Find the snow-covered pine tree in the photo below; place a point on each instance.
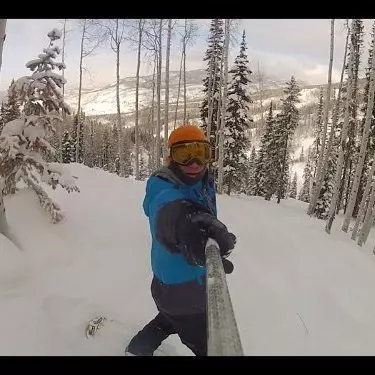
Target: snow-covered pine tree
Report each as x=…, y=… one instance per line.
x=264, y=177
x=115, y=156
x=106, y=150
x=23, y=142
x=10, y=110
x=293, y=187
x=316, y=146
x=288, y=121
x=237, y=122
x=210, y=107
x=304, y=194
x=251, y=173
x=326, y=192
x=128, y=155
x=80, y=137
x=66, y=148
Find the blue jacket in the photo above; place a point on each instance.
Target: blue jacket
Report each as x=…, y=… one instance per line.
x=162, y=188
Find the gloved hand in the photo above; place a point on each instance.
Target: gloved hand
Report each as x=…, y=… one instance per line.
x=216, y=230
x=227, y=265
x=197, y=228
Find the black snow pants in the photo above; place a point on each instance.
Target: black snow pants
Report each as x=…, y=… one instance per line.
x=190, y=328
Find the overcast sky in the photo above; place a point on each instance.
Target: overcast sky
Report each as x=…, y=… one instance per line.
x=282, y=47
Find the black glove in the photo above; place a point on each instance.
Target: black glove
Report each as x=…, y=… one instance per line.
x=184, y=227
x=227, y=265
x=199, y=228
x=216, y=230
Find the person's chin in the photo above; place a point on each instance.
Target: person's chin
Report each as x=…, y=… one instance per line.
x=192, y=175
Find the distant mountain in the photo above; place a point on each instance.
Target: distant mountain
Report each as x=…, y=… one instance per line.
x=102, y=101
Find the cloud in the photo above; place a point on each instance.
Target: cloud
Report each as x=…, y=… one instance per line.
x=283, y=47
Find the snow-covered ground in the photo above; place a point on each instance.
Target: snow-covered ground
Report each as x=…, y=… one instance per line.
x=295, y=289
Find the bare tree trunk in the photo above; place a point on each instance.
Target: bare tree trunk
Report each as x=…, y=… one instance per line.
x=362, y=206
x=153, y=145
x=3, y=23
x=120, y=141
x=218, y=114
x=362, y=154
x=184, y=69
x=260, y=88
x=178, y=93
x=166, y=117
x=344, y=134
x=60, y=129
x=320, y=175
x=211, y=86
x=3, y=220
x=140, y=29
x=344, y=182
x=223, y=110
x=80, y=92
x=369, y=220
x=336, y=201
x=158, y=93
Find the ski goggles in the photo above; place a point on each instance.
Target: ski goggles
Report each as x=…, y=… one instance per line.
x=185, y=152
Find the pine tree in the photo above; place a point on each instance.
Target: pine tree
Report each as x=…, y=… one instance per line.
x=286, y=126
x=106, y=150
x=293, y=187
x=289, y=119
x=89, y=149
x=10, y=109
x=326, y=193
x=252, y=182
x=318, y=132
x=66, y=148
x=304, y=194
x=81, y=137
x=23, y=142
x=265, y=169
x=115, y=157
x=129, y=157
x=237, y=123
x=213, y=56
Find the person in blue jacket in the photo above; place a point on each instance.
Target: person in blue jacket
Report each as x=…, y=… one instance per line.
x=180, y=203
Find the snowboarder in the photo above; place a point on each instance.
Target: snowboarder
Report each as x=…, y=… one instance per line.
x=180, y=203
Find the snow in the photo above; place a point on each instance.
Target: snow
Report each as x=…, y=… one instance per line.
x=295, y=290
x=13, y=127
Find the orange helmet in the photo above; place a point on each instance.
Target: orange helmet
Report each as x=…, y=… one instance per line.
x=186, y=133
